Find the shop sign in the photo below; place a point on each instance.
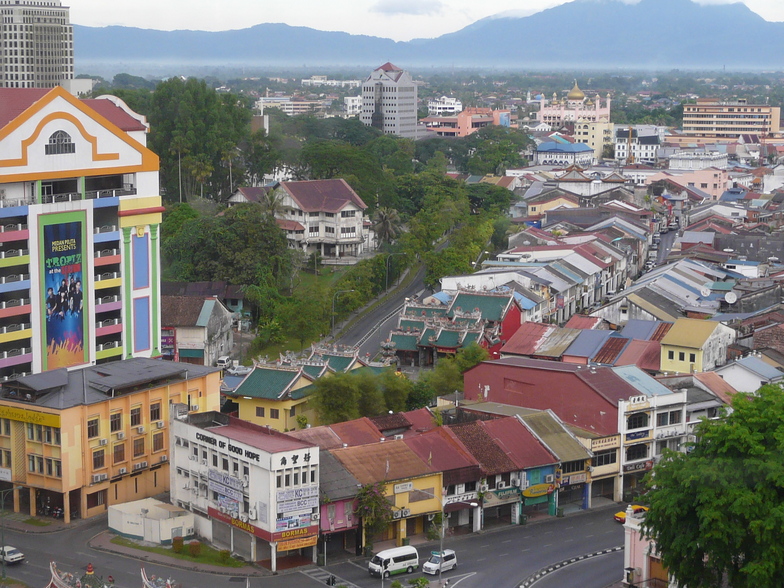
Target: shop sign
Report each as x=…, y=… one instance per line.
x=258, y=531
x=538, y=490
x=5, y=474
x=574, y=479
x=637, y=435
x=224, y=491
x=297, y=543
x=498, y=497
x=297, y=493
x=301, y=504
x=467, y=497
x=638, y=467
x=293, y=522
x=225, y=479
x=605, y=443
x=404, y=487
x=30, y=416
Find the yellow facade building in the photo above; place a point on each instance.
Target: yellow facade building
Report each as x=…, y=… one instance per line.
x=695, y=345
x=85, y=439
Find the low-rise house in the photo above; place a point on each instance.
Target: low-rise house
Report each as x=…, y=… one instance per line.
x=339, y=521
x=749, y=374
x=196, y=330
x=694, y=345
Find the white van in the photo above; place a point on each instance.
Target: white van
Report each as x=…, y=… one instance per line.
x=394, y=561
x=224, y=361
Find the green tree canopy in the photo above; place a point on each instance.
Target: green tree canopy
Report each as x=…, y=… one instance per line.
x=717, y=512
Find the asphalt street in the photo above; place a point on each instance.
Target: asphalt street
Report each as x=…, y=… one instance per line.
x=667, y=239
x=501, y=558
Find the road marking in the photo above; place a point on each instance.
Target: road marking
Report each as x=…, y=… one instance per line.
x=363, y=568
x=502, y=554
x=463, y=578
x=527, y=549
x=486, y=545
x=507, y=541
x=482, y=559
x=588, y=536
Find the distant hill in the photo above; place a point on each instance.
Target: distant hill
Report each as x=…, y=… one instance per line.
x=652, y=34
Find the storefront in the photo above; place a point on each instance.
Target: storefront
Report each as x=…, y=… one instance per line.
x=574, y=491
x=633, y=476
x=501, y=505
x=540, y=498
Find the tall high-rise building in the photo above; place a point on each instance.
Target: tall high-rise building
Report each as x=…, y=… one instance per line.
x=37, y=39
x=728, y=120
x=389, y=101
x=80, y=211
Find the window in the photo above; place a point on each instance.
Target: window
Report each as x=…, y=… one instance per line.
x=155, y=411
x=138, y=447
x=572, y=466
x=115, y=422
x=313, y=230
x=34, y=432
x=99, y=459
x=260, y=411
x=692, y=357
x=637, y=420
x=274, y=413
x=5, y=427
x=96, y=499
x=293, y=411
x=136, y=416
x=225, y=464
x=278, y=481
x=681, y=356
x=157, y=442
x=59, y=143
x=119, y=453
x=347, y=213
x=639, y=451
x=607, y=457
x=670, y=355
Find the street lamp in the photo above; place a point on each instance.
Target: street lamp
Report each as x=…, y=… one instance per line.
x=3, y=494
x=334, y=298
x=443, y=532
x=386, y=274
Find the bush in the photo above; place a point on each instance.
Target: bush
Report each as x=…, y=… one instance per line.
x=224, y=555
x=194, y=548
x=177, y=544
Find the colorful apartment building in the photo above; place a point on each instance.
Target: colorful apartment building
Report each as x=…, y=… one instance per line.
x=80, y=213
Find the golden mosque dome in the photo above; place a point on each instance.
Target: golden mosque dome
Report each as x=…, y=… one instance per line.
x=576, y=93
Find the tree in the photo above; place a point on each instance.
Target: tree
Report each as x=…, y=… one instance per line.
x=395, y=388
x=374, y=509
x=469, y=356
x=716, y=512
x=386, y=224
x=335, y=399
x=420, y=396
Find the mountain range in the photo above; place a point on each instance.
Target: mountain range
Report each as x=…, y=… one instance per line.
x=594, y=34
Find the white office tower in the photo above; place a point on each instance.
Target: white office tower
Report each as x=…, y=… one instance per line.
x=389, y=101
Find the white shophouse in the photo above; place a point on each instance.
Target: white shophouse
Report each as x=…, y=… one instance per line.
x=253, y=490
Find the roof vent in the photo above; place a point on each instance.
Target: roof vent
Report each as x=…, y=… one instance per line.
x=382, y=439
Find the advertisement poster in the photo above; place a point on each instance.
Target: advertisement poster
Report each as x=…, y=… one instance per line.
x=62, y=265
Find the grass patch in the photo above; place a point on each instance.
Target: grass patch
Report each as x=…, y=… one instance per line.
x=13, y=583
x=208, y=554
x=37, y=522
x=328, y=275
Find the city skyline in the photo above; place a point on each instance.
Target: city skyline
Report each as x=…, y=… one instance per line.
x=401, y=20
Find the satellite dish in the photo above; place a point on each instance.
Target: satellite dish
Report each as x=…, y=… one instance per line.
x=731, y=297
x=705, y=291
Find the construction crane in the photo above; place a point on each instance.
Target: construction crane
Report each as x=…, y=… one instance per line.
x=630, y=155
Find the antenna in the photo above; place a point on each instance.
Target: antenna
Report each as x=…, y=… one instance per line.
x=705, y=291
x=731, y=298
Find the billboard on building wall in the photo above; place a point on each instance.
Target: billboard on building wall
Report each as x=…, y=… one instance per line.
x=62, y=245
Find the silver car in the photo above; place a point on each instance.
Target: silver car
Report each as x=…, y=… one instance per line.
x=447, y=562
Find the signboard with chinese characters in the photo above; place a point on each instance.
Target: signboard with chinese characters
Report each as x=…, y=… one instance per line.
x=466, y=497
x=297, y=493
x=605, y=443
x=296, y=459
x=574, y=479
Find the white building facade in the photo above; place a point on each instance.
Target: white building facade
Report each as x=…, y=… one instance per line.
x=389, y=101
x=444, y=106
x=37, y=44
x=252, y=490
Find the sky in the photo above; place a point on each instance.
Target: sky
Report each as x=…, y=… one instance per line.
x=401, y=20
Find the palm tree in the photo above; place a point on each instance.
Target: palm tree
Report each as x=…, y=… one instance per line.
x=202, y=169
x=272, y=203
x=386, y=224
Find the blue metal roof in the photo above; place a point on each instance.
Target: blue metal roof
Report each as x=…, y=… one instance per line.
x=637, y=378
x=553, y=147
x=588, y=343
x=760, y=368
x=524, y=303
x=639, y=329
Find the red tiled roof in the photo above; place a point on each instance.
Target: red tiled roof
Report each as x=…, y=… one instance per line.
x=518, y=442
x=610, y=350
x=387, y=422
x=254, y=193
x=388, y=67
x=421, y=420
x=646, y=355
x=323, y=195
x=391, y=460
x=357, y=432
x=718, y=385
x=114, y=114
x=527, y=338
x=289, y=225
x=441, y=450
x=478, y=441
x=661, y=331
x=579, y=321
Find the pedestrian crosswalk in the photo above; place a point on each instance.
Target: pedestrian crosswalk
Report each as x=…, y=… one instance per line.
x=326, y=578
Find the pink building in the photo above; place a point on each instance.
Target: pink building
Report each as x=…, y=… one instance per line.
x=467, y=122
x=576, y=107
x=712, y=180
x=641, y=564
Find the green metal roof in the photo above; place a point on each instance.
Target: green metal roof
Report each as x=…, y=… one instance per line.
x=425, y=311
x=265, y=382
x=338, y=363
x=491, y=307
x=302, y=392
x=314, y=371
x=448, y=339
x=405, y=342
x=371, y=369
x=412, y=324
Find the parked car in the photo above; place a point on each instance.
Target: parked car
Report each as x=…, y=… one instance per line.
x=11, y=554
x=449, y=560
x=224, y=361
x=636, y=509
x=239, y=370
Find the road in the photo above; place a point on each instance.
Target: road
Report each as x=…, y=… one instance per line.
x=665, y=246
x=501, y=558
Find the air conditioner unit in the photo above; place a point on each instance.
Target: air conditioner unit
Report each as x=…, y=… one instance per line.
x=483, y=487
x=192, y=457
x=501, y=485
x=137, y=466
x=398, y=437
x=549, y=479
x=164, y=457
x=123, y=471
x=204, y=462
x=315, y=516
x=406, y=512
x=252, y=514
x=161, y=424
x=186, y=487
x=590, y=468
x=143, y=464
x=396, y=514
x=515, y=482
x=140, y=430
x=223, y=509
x=120, y=435
x=97, y=478
x=194, y=407
x=244, y=518
x=103, y=442
x=195, y=489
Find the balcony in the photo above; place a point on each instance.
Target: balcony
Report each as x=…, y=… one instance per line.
x=107, y=323
x=14, y=278
x=107, y=276
x=14, y=357
x=12, y=202
x=105, y=229
x=65, y=197
x=107, y=299
x=125, y=191
x=108, y=345
x=8, y=253
x=106, y=253
x=12, y=227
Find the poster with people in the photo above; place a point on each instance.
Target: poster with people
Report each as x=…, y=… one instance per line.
x=62, y=247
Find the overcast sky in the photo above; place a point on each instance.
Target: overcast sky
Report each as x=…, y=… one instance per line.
x=400, y=20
